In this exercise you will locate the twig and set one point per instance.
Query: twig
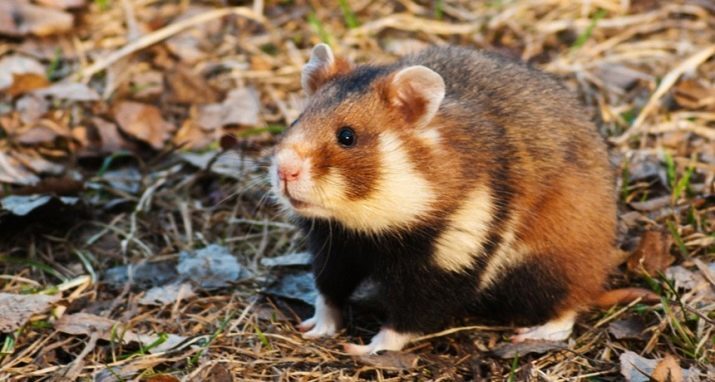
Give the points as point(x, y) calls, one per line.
point(162, 34)
point(668, 81)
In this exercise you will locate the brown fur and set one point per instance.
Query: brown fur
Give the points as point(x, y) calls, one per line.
point(502, 126)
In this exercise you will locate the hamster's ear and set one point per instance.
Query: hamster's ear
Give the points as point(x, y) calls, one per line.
point(321, 67)
point(417, 92)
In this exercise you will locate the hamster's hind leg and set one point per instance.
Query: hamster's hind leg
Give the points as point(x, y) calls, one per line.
point(557, 329)
point(326, 321)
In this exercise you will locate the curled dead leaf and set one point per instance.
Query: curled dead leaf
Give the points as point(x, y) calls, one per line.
point(143, 122)
point(653, 253)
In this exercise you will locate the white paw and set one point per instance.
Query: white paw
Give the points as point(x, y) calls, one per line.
point(326, 322)
point(386, 339)
point(555, 330)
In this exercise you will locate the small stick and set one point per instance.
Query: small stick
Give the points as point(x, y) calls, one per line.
point(162, 34)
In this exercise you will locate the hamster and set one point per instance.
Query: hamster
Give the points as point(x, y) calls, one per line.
point(461, 182)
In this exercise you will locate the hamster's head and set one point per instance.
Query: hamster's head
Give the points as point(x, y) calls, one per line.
point(350, 156)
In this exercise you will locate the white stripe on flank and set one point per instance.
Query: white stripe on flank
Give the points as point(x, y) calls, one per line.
point(463, 239)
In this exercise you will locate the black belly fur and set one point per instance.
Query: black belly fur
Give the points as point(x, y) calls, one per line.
point(419, 296)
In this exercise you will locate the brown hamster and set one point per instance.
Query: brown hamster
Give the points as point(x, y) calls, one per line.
point(463, 183)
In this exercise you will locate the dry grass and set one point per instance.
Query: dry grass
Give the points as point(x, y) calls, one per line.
point(639, 65)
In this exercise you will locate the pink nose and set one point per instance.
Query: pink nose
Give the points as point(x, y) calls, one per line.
point(289, 171)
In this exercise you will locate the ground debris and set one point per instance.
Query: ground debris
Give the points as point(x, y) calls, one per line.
point(635, 368)
point(653, 253)
point(210, 267)
point(17, 309)
point(24, 205)
point(511, 350)
point(112, 330)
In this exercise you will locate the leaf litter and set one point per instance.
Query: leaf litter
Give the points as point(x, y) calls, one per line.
point(160, 184)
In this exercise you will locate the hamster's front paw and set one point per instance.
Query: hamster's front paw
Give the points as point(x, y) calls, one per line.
point(386, 339)
point(326, 321)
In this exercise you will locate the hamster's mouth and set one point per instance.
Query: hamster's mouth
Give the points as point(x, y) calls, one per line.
point(297, 204)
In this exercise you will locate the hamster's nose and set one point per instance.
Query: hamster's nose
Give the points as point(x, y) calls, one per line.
point(289, 165)
point(288, 172)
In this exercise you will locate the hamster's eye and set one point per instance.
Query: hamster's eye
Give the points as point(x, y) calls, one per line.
point(346, 136)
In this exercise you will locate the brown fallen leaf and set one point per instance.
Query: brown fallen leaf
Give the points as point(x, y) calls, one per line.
point(189, 88)
point(653, 253)
point(110, 140)
point(17, 309)
point(20, 18)
point(16, 67)
point(162, 378)
point(26, 82)
point(668, 370)
point(391, 360)
point(143, 122)
point(694, 94)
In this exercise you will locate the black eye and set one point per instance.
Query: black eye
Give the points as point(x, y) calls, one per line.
point(346, 136)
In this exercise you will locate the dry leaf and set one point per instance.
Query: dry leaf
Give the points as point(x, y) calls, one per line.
point(143, 122)
point(167, 294)
point(653, 253)
point(110, 139)
point(18, 308)
point(192, 137)
point(693, 94)
point(63, 4)
point(620, 76)
point(71, 91)
point(668, 370)
point(11, 171)
point(19, 18)
point(108, 329)
point(14, 67)
point(161, 378)
point(391, 360)
point(628, 328)
point(241, 107)
point(511, 350)
point(36, 135)
point(189, 87)
point(635, 368)
point(31, 108)
point(26, 82)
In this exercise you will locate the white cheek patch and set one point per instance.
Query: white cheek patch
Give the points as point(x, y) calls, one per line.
point(401, 196)
point(463, 239)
